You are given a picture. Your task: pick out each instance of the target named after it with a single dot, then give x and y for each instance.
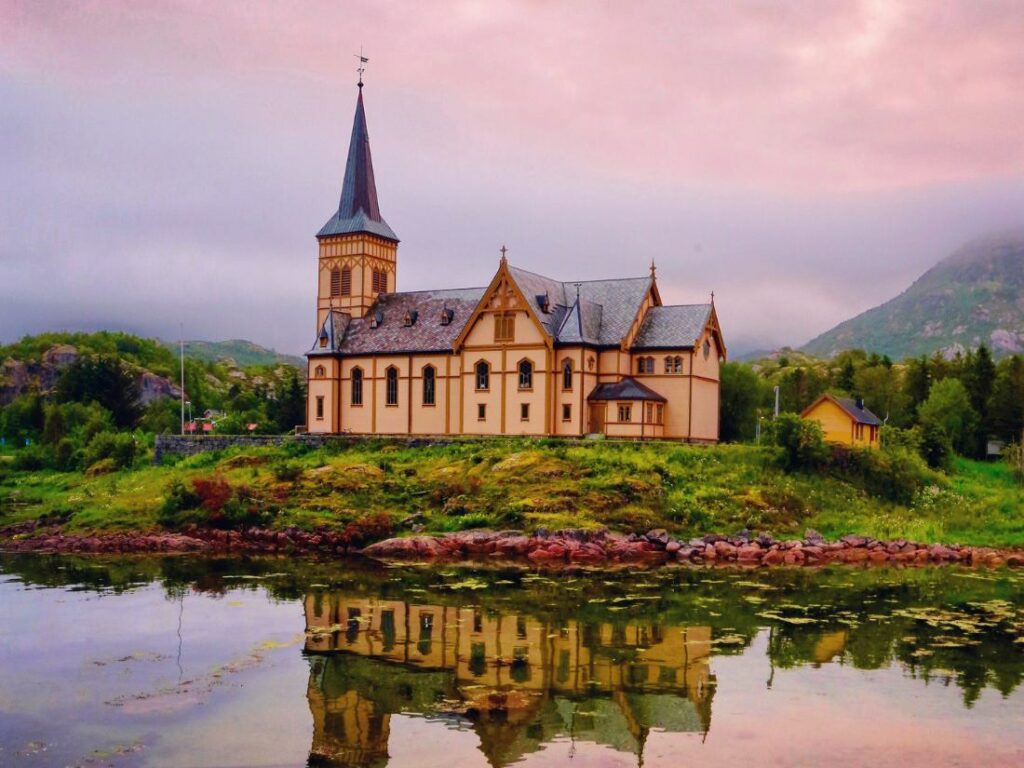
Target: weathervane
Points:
(362, 62)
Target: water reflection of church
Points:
(520, 681)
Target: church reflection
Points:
(517, 680)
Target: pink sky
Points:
(771, 152)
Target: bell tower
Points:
(358, 250)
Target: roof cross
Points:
(504, 254)
(362, 64)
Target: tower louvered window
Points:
(346, 281)
(335, 282)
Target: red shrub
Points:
(213, 492)
(367, 529)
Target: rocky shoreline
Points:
(579, 547)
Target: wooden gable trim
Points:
(713, 326)
(481, 307)
(638, 319)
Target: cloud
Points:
(804, 160)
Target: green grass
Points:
(525, 484)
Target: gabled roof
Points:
(859, 414)
(605, 312)
(392, 335)
(672, 327)
(626, 389)
(358, 210)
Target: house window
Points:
(525, 374)
(677, 364)
(668, 365)
(429, 377)
(659, 413)
(640, 365)
(483, 375)
(566, 412)
(320, 372)
(505, 326)
(524, 411)
(707, 348)
(567, 374)
(335, 282)
(346, 281)
(320, 407)
(625, 412)
(650, 413)
(481, 412)
(357, 386)
(391, 377)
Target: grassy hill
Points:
(974, 296)
(243, 353)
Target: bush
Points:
(213, 493)
(66, 456)
(936, 446)
(801, 441)
(287, 471)
(896, 474)
(120, 447)
(32, 458)
(180, 498)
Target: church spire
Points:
(358, 210)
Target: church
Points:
(525, 355)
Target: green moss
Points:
(519, 483)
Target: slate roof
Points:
(606, 311)
(626, 389)
(393, 336)
(672, 327)
(601, 317)
(860, 415)
(358, 210)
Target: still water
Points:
(267, 662)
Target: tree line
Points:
(950, 404)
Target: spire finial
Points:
(504, 255)
(712, 298)
(362, 65)
(654, 269)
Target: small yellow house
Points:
(845, 420)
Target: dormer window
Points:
(323, 338)
(447, 315)
(544, 303)
(410, 318)
(378, 318)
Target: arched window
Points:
(641, 365)
(383, 281)
(391, 377)
(525, 374)
(346, 281)
(429, 385)
(320, 372)
(567, 373)
(483, 375)
(668, 364)
(677, 364)
(357, 386)
(335, 282)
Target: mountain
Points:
(975, 295)
(239, 351)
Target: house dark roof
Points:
(392, 335)
(358, 210)
(672, 327)
(861, 415)
(626, 389)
